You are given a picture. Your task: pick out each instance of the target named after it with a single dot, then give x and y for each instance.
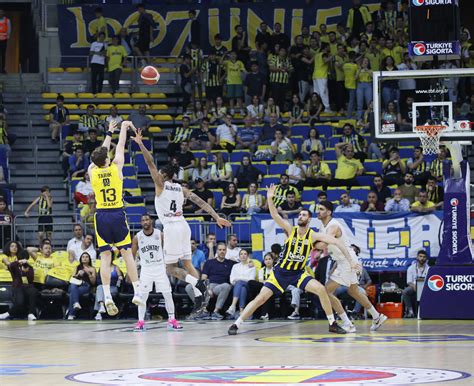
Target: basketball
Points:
(150, 75)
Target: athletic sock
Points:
(135, 287)
(141, 313)
(372, 311)
(331, 319)
(169, 304)
(345, 318)
(238, 322)
(106, 288)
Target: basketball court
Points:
(265, 353)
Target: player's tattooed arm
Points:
(206, 207)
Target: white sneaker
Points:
(294, 316)
(137, 300)
(349, 327)
(76, 306)
(31, 317)
(376, 323)
(111, 308)
(264, 317)
(102, 309)
(230, 312)
(98, 316)
(70, 317)
(4, 316)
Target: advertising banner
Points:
(434, 48)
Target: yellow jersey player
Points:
(111, 225)
(290, 268)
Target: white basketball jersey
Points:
(334, 251)
(169, 204)
(150, 250)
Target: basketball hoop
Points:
(430, 136)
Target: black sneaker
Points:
(335, 328)
(202, 285)
(232, 330)
(197, 305)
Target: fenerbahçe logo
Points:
(419, 48)
(435, 283)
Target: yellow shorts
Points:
(280, 279)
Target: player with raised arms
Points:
(169, 199)
(290, 268)
(111, 225)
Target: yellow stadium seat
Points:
(154, 129)
(200, 218)
(104, 106)
(157, 95)
(179, 117)
(124, 107)
(86, 95)
(175, 60)
(311, 188)
(160, 60)
(104, 95)
(286, 115)
(122, 95)
(49, 95)
(69, 95)
(48, 106)
(83, 106)
(264, 147)
(134, 193)
(163, 117)
(164, 70)
(56, 70)
(127, 70)
(160, 106)
(71, 106)
(73, 70)
(74, 117)
(139, 95)
(137, 106)
(5, 275)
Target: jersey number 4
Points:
(109, 195)
(173, 206)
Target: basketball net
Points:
(430, 136)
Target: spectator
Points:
(113, 117)
(217, 271)
(198, 257)
(416, 273)
(364, 86)
(78, 163)
(372, 204)
(280, 70)
(255, 110)
(98, 54)
(89, 120)
(240, 275)
(203, 193)
(234, 70)
(253, 202)
(70, 148)
(296, 52)
(247, 173)
(303, 71)
(58, 118)
(195, 29)
(209, 247)
(346, 205)
(295, 302)
(125, 41)
(6, 221)
(282, 148)
(116, 278)
(394, 51)
(314, 108)
(340, 93)
(232, 251)
(81, 283)
(269, 129)
(219, 48)
(418, 166)
(359, 144)
(256, 285)
(203, 138)
(116, 58)
(322, 61)
(397, 203)
(439, 164)
(271, 108)
(467, 109)
(390, 91)
(99, 25)
(76, 240)
(186, 159)
(317, 172)
(218, 112)
(198, 113)
(435, 192)
(255, 84)
(83, 190)
(86, 246)
(178, 135)
(45, 209)
(91, 143)
(409, 191)
(240, 44)
(291, 206)
(24, 293)
(405, 117)
(312, 143)
(422, 205)
(394, 168)
(226, 134)
(350, 70)
(213, 74)
(186, 73)
(261, 57)
(279, 38)
(179, 170)
(391, 119)
(87, 214)
(379, 187)
(296, 110)
(221, 172)
(6, 30)
(202, 171)
(407, 85)
(357, 18)
(145, 34)
(297, 172)
(247, 137)
(231, 201)
(282, 190)
(139, 118)
(263, 35)
(348, 167)
(314, 207)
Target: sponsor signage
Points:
(421, 3)
(434, 48)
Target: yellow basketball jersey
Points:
(107, 186)
(296, 251)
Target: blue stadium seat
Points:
(235, 166)
(196, 228)
(278, 167)
(302, 130)
(360, 192)
(199, 154)
(134, 214)
(130, 183)
(129, 171)
(237, 155)
(221, 234)
(225, 155)
(329, 154)
(406, 152)
(140, 164)
(335, 194)
(241, 227)
(262, 166)
(325, 130)
(146, 142)
(373, 166)
(217, 198)
(135, 199)
(298, 141)
(127, 158)
(365, 180)
(270, 179)
(332, 166)
(310, 195)
(333, 140)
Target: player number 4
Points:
(173, 206)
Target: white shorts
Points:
(177, 242)
(343, 273)
(159, 277)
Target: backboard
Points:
(404, 100)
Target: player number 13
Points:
(109, 195)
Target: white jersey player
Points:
(343, 274)
(148, 245)
(169, 199)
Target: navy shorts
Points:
(280, 279)
(111, 229)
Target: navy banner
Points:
(173, 25)
(434, 48)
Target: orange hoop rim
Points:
(431, 130)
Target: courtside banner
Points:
(171, 34)
(387, 241)
(434, 48)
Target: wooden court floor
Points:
(265, 353)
